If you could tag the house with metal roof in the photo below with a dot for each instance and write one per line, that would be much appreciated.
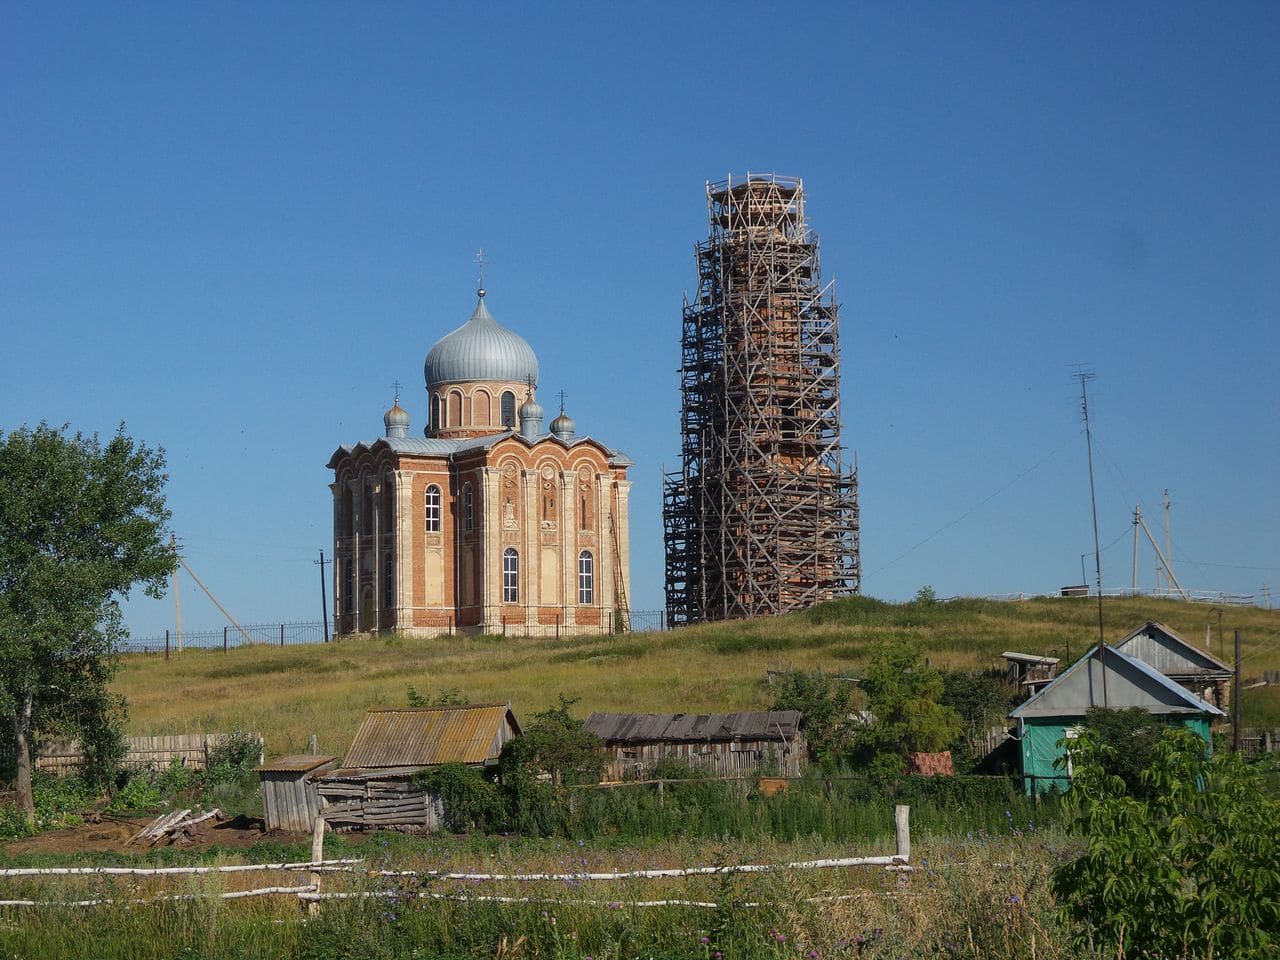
(721, 744)
(1199, 671)
(1103, 677)
(377, 784)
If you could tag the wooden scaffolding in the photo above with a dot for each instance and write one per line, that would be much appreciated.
(762, 517)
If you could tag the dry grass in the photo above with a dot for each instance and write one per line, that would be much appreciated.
(289, 693)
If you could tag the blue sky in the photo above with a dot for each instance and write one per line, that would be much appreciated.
(233, 226)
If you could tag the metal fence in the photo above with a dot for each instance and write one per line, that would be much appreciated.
(313, 631)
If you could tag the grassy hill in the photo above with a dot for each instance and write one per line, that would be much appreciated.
(289, 693)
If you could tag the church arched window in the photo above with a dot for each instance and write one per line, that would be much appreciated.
(435, 413)
(510, 576)
(455, 408)
(431, 509)
(509, 409)
(388, 583)
(586, 577)
(468, 507)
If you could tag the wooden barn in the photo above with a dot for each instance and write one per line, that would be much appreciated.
(721, 744)
(289, 798)
(1197, 671)
(375, 788)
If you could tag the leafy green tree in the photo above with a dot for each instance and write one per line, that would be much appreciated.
(81, 523)
(825, 704)
(555, 744)
(906, 717)
(1190, 871)
(1131, 736)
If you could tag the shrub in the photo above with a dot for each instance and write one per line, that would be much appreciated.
(825, 703)
(470, 801)
(233, 758)
(1191, 870)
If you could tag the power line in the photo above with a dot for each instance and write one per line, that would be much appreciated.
(978, 506)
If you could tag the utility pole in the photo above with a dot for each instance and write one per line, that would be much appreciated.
(1168, 548)
(1137, 520)
(324, 601)
(177, 593)
(1083, 377)
(1235, 702)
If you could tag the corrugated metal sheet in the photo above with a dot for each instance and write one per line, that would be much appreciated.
(1130, 683)
(1156, 644)
(769, 725)
(295, 763)
(422, 736)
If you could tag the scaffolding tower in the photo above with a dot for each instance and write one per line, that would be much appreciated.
(762, 517)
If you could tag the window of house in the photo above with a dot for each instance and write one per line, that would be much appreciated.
(509, 409)
(468, 507)
(510, 576)
(586, 577)
(431, 509)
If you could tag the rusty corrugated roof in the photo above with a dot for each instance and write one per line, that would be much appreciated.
(422, 736)
(295, 763)
(651, 727)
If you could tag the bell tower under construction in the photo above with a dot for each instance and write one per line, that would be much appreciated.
(762, 517)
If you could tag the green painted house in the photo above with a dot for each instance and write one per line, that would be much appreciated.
(1101, 678)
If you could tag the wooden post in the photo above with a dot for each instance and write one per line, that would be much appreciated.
(282, 634)
(317, 854)
(315, 746)
(1235, 702)
(661, 798)
(224, 639)
(902, 831)
(166, 644)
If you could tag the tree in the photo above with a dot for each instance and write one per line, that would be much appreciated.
(1131, 736)
(825, 704)
(81, 523)
(556, 744)
(902, 698)
(1191, 870)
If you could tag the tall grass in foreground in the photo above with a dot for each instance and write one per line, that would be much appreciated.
(969, 898)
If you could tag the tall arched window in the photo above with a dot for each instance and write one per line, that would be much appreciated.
(468, 507)
(431, 509)
(586, 577)
(510, 576)
(455, 408)
(435, 413)
(509, 409)
(348, 585)
(388, 584)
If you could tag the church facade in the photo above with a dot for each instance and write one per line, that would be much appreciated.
(486, 523)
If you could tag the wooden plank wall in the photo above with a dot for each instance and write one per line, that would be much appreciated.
(66, 757)
(724, 759)
(381, 804)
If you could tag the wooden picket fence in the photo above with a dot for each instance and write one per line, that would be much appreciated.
(64, 757)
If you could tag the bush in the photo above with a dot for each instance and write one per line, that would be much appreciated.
(470, 801)
(233, 758)
(1190, 870)
(825, 703)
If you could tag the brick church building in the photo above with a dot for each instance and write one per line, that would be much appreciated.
(487, 523)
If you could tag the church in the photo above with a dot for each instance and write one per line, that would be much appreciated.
(488, 523)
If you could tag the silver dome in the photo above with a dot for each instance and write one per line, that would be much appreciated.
(481, 349)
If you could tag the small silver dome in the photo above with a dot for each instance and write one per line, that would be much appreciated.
(396, 420)
(481, 349)
(563, 426)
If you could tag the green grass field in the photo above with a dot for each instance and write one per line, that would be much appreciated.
(289, 693)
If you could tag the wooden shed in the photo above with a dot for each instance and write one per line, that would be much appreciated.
(1197, 671)
(289, 798)
(721, 744)
(376, 785)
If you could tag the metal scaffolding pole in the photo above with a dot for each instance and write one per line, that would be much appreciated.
(762, 518)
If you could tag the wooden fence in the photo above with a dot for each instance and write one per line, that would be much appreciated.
(311, 895)
(67, 756)
(1255, 742)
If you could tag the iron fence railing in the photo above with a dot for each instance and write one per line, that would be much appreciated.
(510, 622)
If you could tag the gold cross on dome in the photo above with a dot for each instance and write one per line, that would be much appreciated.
(479, 258)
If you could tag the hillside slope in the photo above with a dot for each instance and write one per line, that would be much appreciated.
(289, 693)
